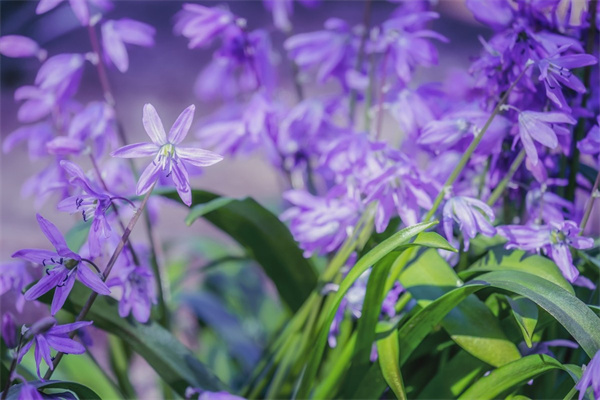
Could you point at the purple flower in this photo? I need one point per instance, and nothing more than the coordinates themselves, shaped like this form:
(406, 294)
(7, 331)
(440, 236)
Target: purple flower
(544, 347)
(538, 126)
(138, 295)
(169, 157)
(13, 278)
(590, 378)
(201, 24)
(66, 265)
(591, 143)
(79, 7)
(282, 10)
(47, 335)
(497, 14)
(470, 214)
(546, 206)
(92, 205)
(9, 330)
(29, 392)
(17, 46)
(553, 239)
(116, 33)
(320, 224)
(555, 72)
(37, 136)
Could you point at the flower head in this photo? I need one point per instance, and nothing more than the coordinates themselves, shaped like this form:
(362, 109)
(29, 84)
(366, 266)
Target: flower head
(47, 335)
(539, 126)
(79, 7)
(115, 34)
(590, 378)
(169, 157)
(65, 266)
(138, 292)
(471, 215)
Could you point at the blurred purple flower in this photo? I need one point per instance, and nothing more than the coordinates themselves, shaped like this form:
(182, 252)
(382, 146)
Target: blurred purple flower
(320, 224)
(116, 33)
(590, 378)
(169, 157)
(36, 135)
(201, 24)
(554, 239)
(79, 7)
(591, 143)
(138, 295)
(412, 112)
(17, 46)
(539, 126)
(470, 214)
(282, 10)
(544, 347)
(497, 14)
(67, 265)
(29, 392)
(556, 72)
(9, 330)
(47, 335)
(546, 206)
(13, 278)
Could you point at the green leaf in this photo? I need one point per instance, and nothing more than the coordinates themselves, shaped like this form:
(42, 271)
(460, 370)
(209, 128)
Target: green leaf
(526, 314)
(432, 240)
(471, 325)
(77, 235)
(175, 364)
(510, 375)
(500, 259)
(264, 237)
(450, 381)
(81, 391)
(371, 258)
(388, 351)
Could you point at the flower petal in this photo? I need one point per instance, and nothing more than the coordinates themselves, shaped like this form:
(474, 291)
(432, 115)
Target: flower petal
(153, 125)
(182, 125)
(65, 345)
(55, 237)
(149, 176)
(114, 48)
(182, 183)
(198, 157)
(60, 294)
(37, 256)
(91, 280)
(47, 283)
(66, 328)
(136, 150)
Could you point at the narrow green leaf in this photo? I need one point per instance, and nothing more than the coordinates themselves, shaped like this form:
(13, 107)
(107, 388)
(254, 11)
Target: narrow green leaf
(368, 260)
(458, 374)
(170, 359)
(432, 240)
(388, 351)
(510, 375)
(81, 391)
(526, 314)
(471, 325)
(264, 237)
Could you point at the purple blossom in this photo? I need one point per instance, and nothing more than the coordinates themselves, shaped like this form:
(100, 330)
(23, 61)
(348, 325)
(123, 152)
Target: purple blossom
(591, 143)
(556, 72)
(539, 126)
(66, 265)
(47, 335)
(497, 14)
(201, 24)
(36, 135)
(92, 204)
(17, 46)
(590, 378)
(29, 392)
(117, 33)
(544, 347)
(320, 224)
(546, 206)
(470, 214)
(412, 112)
(79, 7)
(9, 330)
(138, 295)
(13, 278)
(282, 10)
(554, 240)
(169, 157)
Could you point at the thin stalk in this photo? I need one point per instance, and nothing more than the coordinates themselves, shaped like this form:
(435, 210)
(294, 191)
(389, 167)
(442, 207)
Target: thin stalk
(499, 190)
(111, 262)
(13, 366)
(467, 155)
(590, 205)
(108, 96)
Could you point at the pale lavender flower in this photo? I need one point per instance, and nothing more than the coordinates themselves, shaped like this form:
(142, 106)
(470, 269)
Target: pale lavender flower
(590, 378)
(591, 143)
(554, 240)
(539, 126)
(66, 265)
(17, 46)
(320, 224)
(546, 206)
(412, 111)
(201, 24)
(79, 7)
(13, 278)
(36, 135)
(117, 33)
(556, 72)
(169, 157)
(138, 295)
(497, 14)
(9, 330)
(282, 10)
(470, 214)
(47, 335)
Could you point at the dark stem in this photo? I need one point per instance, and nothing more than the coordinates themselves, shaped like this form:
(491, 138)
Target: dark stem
(590, 205)
(90, 301)
(100, 67)
(13, 366)
(579, 132)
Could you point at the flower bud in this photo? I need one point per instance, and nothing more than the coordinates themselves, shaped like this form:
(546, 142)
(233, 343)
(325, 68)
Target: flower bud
(9, 331)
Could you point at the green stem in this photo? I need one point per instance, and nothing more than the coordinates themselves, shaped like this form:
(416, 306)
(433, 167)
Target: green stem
(499, 190)
(467, 155)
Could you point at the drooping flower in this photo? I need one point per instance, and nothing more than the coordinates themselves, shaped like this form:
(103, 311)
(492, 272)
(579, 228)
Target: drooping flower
(79, 7)
(17, 46)
(36, 135)
(47, 335)
(201, 24)
(539, 126)
(9, 330)
(169, 157)
(590, 378)
(65, 266)
(470, 214)
(116, 33)
(138, 292)
(556, 72)
(554, 240)
(591, 143)
(497, 14)
(544, 347)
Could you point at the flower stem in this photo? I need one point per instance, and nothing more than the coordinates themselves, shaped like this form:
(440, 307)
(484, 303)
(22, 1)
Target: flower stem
(13, 366)
(590, 205)
(507, 178)
(108, 96)
(471, 149)
(111, 262)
